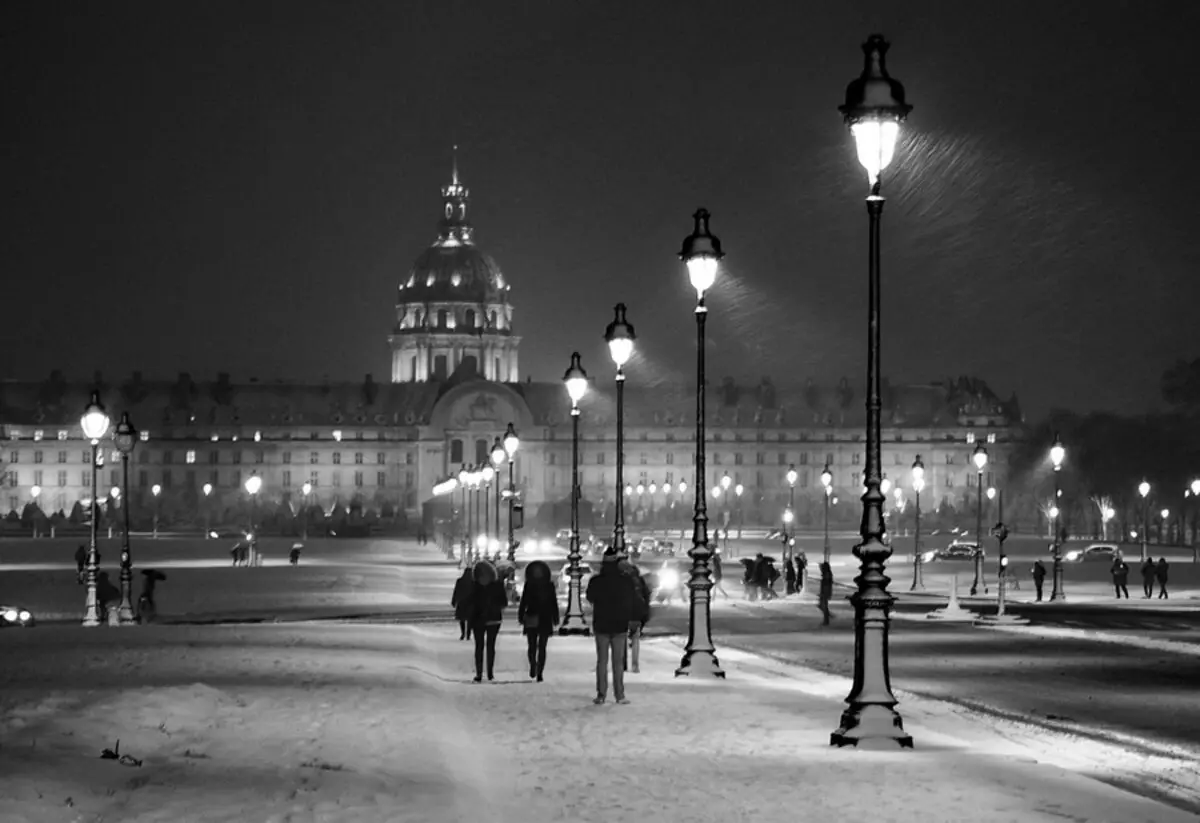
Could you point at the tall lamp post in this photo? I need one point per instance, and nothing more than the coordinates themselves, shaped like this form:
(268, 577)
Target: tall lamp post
(702, 253)
(1195, 488)
(874, 108)
(487, 473)
(620, 337)
(95, 424)
(790, 528)
(827, 485)
(1144, 491)
(35, 492)
(208, 512)
(498, 457)
(574, 622)
(156, 490)
(1057, 454)
(918, 484)
(511, 444)
(1164, 527)
(463, 483)
(125, 438)
(253, 484)
(726, 480)
(980, 459)
(305, 490)
(737, 498)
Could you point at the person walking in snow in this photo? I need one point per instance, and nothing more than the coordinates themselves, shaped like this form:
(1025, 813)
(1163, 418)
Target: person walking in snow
(611, 594)
(1120, 576)
(461, 602)
(80, 562)
(641, 614)
(1160, 574)
(801, 570)
(1147, 579)
(487, 612)
(715, 566)
(538, 614)
(825, 593)
(1039, 578)
(789, 575)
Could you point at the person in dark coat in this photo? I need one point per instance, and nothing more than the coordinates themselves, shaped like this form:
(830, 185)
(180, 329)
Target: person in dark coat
(825, 593)
(641, 615)
(108, 596)
(715, 566)
(801, 568)
(611, 594)
(789, 575)
(1160, 574)
(80, 562)
(1039, 578)
(1147, 579)
(538, 614)
(461, 601)
(1120, 577)
(487, 612)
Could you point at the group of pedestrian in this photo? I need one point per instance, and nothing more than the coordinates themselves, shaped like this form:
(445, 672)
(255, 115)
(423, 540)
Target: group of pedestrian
(1151, 573)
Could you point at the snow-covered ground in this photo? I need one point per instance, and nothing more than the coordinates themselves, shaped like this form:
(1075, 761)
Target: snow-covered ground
(320, 722)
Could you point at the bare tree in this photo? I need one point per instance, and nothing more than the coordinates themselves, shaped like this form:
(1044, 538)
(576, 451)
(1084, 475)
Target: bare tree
(1104, 505)
(1047, 507)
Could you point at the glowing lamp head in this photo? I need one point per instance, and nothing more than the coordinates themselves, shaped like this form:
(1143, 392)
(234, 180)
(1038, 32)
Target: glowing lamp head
(991, 493)
(791, 475)
(575, 379)
(487, 473)
(1165, 513)
(125, 435)
(898, 493)
(115, 492)
(156, 490)
(725, 480)
(628, 490)
(253, 484)
(1195, 488)
(1054, 512)
(511, 441)
(641, 488)
(498, 454)
(885, 485)
(653, 488)
(619, 336)
(95, 420)
(1109, 513)
(1057, 453)
(1144, 489)
(788, 515)
(979, 457)
(826, 477)
(208, 489)
(918, 472)
(306, 488)
(738, 489)
(874, 109)
(716, 492)
(682, 486)
(702, 253)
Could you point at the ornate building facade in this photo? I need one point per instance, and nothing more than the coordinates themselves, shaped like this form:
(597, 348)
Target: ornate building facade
(454, 388)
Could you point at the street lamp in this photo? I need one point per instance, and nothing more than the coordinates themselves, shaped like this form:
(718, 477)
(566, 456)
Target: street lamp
(789, 530)
(874, 108)
(980, 459)
(1057, 455)
(95, 424)
(207, 489)
(620, 336)
(1144, 491)
(125, 438)
(1164, 528)
(253, 484)
(486, 474)
(464, 479)
(574, 622)
(827, 485)
(511, 444)
(305, 490)
(1195, 487)
(498, 457)
(702, 253)
(737, 496)
(918, 484)
(156, 490)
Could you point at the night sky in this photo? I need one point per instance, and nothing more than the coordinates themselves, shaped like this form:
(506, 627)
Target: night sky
(240, 187)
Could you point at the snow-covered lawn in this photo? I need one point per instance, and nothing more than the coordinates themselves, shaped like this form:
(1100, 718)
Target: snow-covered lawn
(319, 722)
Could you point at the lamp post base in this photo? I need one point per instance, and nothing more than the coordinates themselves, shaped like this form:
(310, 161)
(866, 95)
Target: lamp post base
(575, 628)
(871, 726)
(700, 663)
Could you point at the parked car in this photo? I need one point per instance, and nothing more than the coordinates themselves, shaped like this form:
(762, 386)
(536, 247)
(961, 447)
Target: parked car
(15, 617)
(1094, 551)
(956, 550)
(564, 580)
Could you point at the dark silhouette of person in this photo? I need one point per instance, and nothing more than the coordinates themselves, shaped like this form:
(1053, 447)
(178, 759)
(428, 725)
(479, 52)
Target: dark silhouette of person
(1160, 574)
(789, 575)
(464, 587)
(1039, 578)
(538, 614)
(1147, 578)
(825, 592)
(641, 615)
(488, 601)
(80, 562)
(611, 593)
(107, 595)
(801, 569)
(717, 574)
(1120, 577)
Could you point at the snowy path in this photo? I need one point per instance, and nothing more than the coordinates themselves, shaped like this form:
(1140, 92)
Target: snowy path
(316, 722)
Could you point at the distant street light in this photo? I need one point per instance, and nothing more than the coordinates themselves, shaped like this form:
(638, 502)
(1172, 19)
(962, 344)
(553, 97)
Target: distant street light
(125, 438)
(1144, 491)
(918, 483)
(620, 336)
(253, 484)
(1057, 454)
(980, 459)
(156, 490)
(789, 528)
(95, 423)
(511, 444)
(499, 455)
(827, 485)
(574, 622)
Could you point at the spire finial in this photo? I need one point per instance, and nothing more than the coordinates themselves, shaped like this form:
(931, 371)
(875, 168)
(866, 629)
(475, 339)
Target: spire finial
(454, 165)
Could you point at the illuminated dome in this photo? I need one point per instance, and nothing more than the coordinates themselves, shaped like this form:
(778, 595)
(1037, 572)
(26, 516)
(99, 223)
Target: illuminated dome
(452, 309)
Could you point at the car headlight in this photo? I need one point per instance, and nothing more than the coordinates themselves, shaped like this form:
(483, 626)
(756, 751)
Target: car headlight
(11, 615)
(25, 616)
(1072, 556)
(927, 556)
(668, 579)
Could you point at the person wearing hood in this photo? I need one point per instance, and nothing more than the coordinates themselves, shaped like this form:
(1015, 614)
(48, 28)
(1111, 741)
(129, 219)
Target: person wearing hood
(611, 594)
(487, 611)
(538, 614)
(825, 593)
(461, 601)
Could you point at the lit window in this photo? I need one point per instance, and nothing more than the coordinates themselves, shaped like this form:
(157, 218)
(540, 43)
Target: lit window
(992, 437)
(257, 436)
(450, 321)
(144, 435)
(234, 438)
(429, 280)
(411, 280)
(215, 438)
(37, 435)
(971, 437)
(337, 435)
(62, 434)
(455, 279)
(190, 457)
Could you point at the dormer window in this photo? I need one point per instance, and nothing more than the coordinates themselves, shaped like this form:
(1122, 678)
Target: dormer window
(455, 279)
(429, 280)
